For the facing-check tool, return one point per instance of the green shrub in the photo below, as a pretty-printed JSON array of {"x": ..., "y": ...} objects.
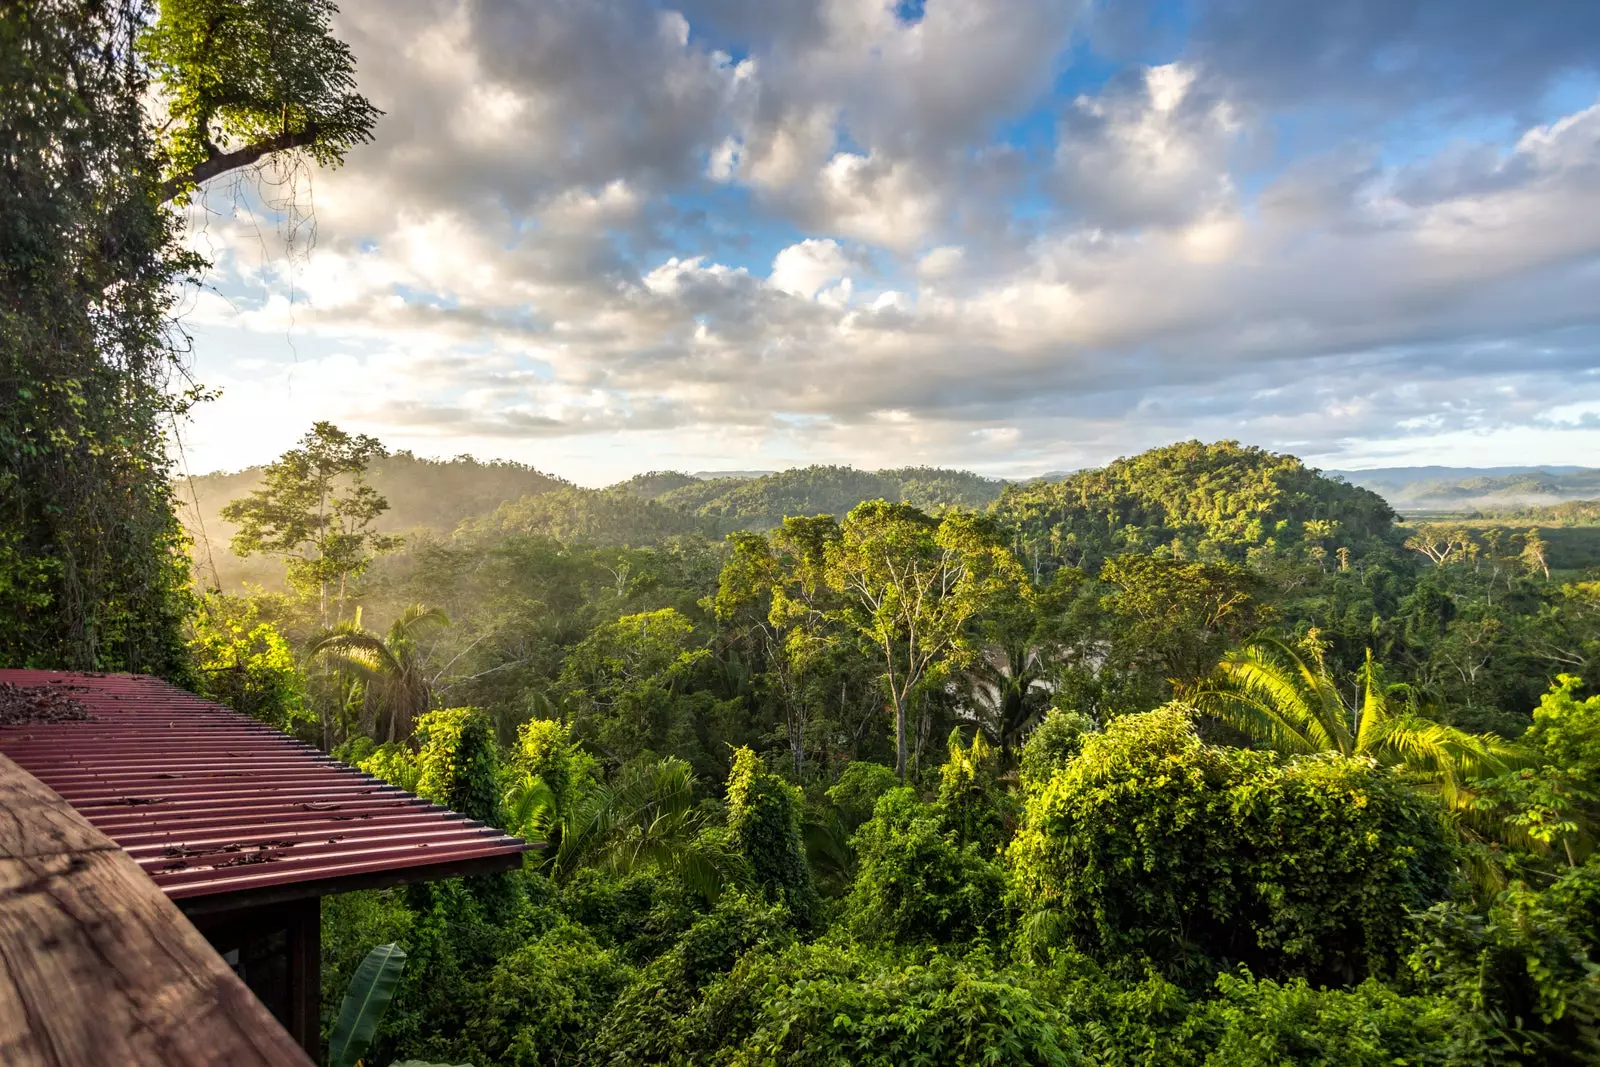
[
  {"x": 1525, "y": 984},
  {"x": 834, "y": 1005},
  {"x": 1152, "y": 844},
  {"x": 858, "y": 789},
  {"x": 1245, "y": 1022},
  {"x": 647, "y": 1024},
  {"x": 1264, "y": 1024},
  {"x": 972, "y": 805},
  {"x": 916, "y": 883},
  {"x": 543, "y": 1001},
  {"x": 1053, "y": 744},
  {"x": 764, "y": 820},
  {"x": 642, "y": 914}
]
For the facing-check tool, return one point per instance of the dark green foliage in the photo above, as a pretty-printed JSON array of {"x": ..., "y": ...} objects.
[
  {"x": 92, "y": 575},
  {"x": 647, "y": 1023},
  {"x": 1152, "y": 844},
  {"x": 764, "y": 817},
  {"x": 830, "y": 1005},
  {"x": 543, "y": 1000},
  {"x": 641, "y": 914},
  {"x": 917, "y": 882},
  {"x": 364, "y": 1005},
  {"x": 1523, "y": 976},
  {"x": 764, "y": 502},
  {"x": 856, "y": 792},
  {"x": 451, "y": 951}
]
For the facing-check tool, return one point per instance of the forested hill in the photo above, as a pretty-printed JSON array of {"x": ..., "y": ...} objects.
[
  {"x": 740, "y": 503},
  {"x": 1209, "y": 499},
  {"x": 428, "y": 494},
  {"x": 1196, "y": 498}
]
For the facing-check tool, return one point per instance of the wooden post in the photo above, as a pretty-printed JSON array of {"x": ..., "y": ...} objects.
[{"x": 305, "y": 976}]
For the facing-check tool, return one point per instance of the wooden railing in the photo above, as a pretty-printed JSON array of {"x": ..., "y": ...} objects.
[{"x": 97, "y": 966}]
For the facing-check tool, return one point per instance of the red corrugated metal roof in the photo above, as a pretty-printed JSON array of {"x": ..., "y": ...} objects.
[{"x": 209, "y": 801}]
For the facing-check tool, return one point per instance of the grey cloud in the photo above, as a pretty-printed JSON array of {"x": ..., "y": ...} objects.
[{"x": 1464, "y": 54}]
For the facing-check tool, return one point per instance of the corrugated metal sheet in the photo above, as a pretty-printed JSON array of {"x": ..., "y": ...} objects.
[{"x": 209, "y": 801}]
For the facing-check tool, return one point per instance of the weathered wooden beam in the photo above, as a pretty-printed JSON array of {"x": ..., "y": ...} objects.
[{"x": 97, "y": 966}]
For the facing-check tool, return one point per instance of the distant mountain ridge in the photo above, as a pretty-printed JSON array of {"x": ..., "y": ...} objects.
[{"x": 1476, "y": 488}]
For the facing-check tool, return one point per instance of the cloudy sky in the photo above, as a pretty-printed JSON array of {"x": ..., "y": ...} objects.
[{"x": 1006, "y": 235}]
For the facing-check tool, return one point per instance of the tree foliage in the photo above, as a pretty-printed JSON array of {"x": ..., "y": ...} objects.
[
  {"x": 91, "y": 568},
  {"x": 1152, "y": 844},
  {"x": 244, "y": 79}
]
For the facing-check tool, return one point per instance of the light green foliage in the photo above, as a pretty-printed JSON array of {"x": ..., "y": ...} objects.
[
  {"x": 315, "y": 510},
  {"x": 1288, "y": 699},
  {"x": 544, "y": 750},
  {"x": 1263, "y": 1024},
  {"x": 542, "y": 1001},
  {"x": 916, "y": 882},
  {"x": 474, "y": 779},
  {"x": 395, "y": 764},
  {"x": 1555, "y": 800},
  {"x": 911, "y": 585},
  {"x": 1211, "y": 501},
  {"x": 773, "y": 589},
  {"x": 244, "y": 661},
  {"x": 972, "y": 805},
  {"x": 365, "y": 1002},
  {"x": 437, "y": 737},
  {"x": 587, "y": 517},
  {"x": 544, "y": 777},
  {"x": 764, "y": 814},
  {"x": 244, "y": 78},
  {"x": 1154, "y": 844},
  {"x": 1240, "y": 1020},
  {"x": 1052, "y": 745},
  {"x": 92, "y": 572}
]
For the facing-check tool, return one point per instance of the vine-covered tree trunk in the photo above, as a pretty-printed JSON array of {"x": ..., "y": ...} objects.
[{"x": 92, "y": 573}]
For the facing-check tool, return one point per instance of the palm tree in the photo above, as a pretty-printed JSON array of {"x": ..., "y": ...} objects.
[
  {"x": 397, "y": 690},
  {"x": 1289, "y": 701},
  {"x": 647, "y": 818},
  {"x": 1006, "y": 691}
]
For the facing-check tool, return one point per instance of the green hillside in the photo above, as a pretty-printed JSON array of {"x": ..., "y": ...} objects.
[
  {"x": 735, "y": 503},
  {"x": 1206, "y": 500}
]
